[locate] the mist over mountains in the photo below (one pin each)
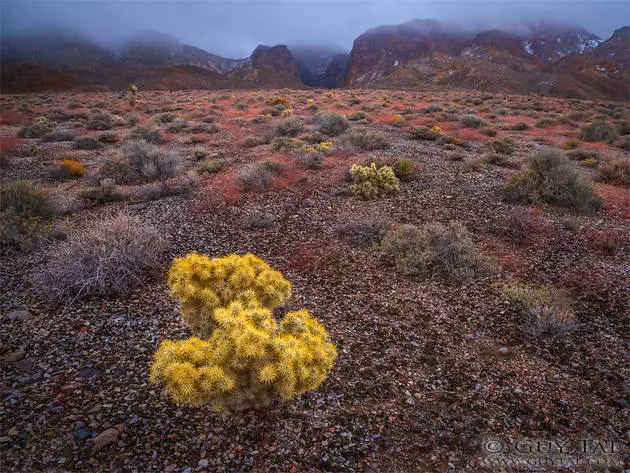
(541, 57)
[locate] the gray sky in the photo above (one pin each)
(233, 28)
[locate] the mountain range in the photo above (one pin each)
(549, 59)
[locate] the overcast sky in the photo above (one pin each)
(233, 28)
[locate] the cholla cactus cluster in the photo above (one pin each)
(242, 357)
(202, 284)
(371, 182)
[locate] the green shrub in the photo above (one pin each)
(370, 182)
(446, 251)
(285, 143)
(149, 135)
(520, 126)
(332, 124)
(403, 169)
(598, 131)
(550, 178)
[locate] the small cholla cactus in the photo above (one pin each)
(249, 361)
(202, 284)
(133, 95)
(371, 182)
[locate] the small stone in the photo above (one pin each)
(13, 432)
(410, 400)
(504, 350)
(107, 437)
(26, 365)
(518, 391)
(203, 463)
(19, 316)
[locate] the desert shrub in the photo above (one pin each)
(360, 234)
(108, 137)
(108, 257)
(116, 167)
(497, 159)
(598, 130)
(253, 141)
(167, 117)
(546, 310)
(571, 143)
(582, 154)
(489, 131)
(589, 163)
(105, 191)
(450, 140)
(396, 120)
(503, 146)
(152, 162)
(25, 209)
(308, 157)
(71, 168)
(623, 143)
(258, 220)
(364, 140)
(262, 176)
(403, 169)
(423, 133)
(370, 182)
(246, 359)
(210, 166)
(332, 124)
(88, 143)
(550, 178)
(473, 121)
(149, 135)
(356, 116)
(289, 127)
(178, 126)
(58, 136)
(100, 121)
(285, 143)
(616, 171)
(279, 100)
(433, 109)
(520, 126)
(37, 129)
(545, 123)
(131, 118)
(435, 249)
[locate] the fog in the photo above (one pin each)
(233, 28)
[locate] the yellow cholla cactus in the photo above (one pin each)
(202, 284)
(371, 182)
(249, 361)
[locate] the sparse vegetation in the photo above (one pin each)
(108, 257)
(435, 249)
(550, 178)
